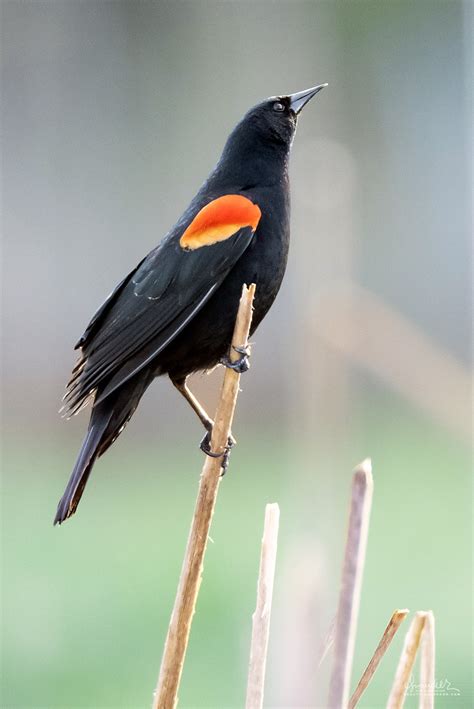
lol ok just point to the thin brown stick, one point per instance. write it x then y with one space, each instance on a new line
349 596
166 694
388 634
350 319
427 664
263 609
396 699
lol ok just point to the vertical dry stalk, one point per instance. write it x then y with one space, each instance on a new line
261 617
427 664
166 694
396 699
349 597
389 633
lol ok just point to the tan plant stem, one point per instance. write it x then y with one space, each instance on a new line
427 663
261 617
389 633
349 596
166 694
396 699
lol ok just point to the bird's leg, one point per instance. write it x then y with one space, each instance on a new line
206 421
240 365
183 389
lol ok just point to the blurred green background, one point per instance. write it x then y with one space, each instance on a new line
112 115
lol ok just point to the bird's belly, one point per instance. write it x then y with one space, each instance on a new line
207 338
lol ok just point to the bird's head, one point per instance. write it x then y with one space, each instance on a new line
264 135
275 118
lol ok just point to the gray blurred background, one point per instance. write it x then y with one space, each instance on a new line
113 113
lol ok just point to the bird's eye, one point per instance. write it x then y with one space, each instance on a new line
278 106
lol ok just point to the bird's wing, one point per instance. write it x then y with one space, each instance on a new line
156 301
100 314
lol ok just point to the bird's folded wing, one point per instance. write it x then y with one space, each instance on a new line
149 308
104 308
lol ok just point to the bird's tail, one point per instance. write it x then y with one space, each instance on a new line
89 451
108 419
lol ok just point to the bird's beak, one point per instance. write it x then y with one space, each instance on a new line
299 100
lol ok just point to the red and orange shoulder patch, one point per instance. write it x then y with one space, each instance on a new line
219 220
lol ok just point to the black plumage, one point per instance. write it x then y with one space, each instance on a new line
174 313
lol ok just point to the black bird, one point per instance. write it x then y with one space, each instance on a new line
174 313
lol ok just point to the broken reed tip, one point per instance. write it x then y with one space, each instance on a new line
272 506
362 478
364 467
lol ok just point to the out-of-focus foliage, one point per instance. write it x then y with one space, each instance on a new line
86 608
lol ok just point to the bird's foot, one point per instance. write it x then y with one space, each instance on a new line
205 446
240 365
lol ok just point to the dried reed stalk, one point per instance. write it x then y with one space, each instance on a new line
263 609
349 597
427 664
389 633
396 699
166 694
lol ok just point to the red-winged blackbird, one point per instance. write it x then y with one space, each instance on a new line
175 312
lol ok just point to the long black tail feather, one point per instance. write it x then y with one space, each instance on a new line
108 419
89 451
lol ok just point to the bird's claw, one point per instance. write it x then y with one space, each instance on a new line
205 446
240 365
